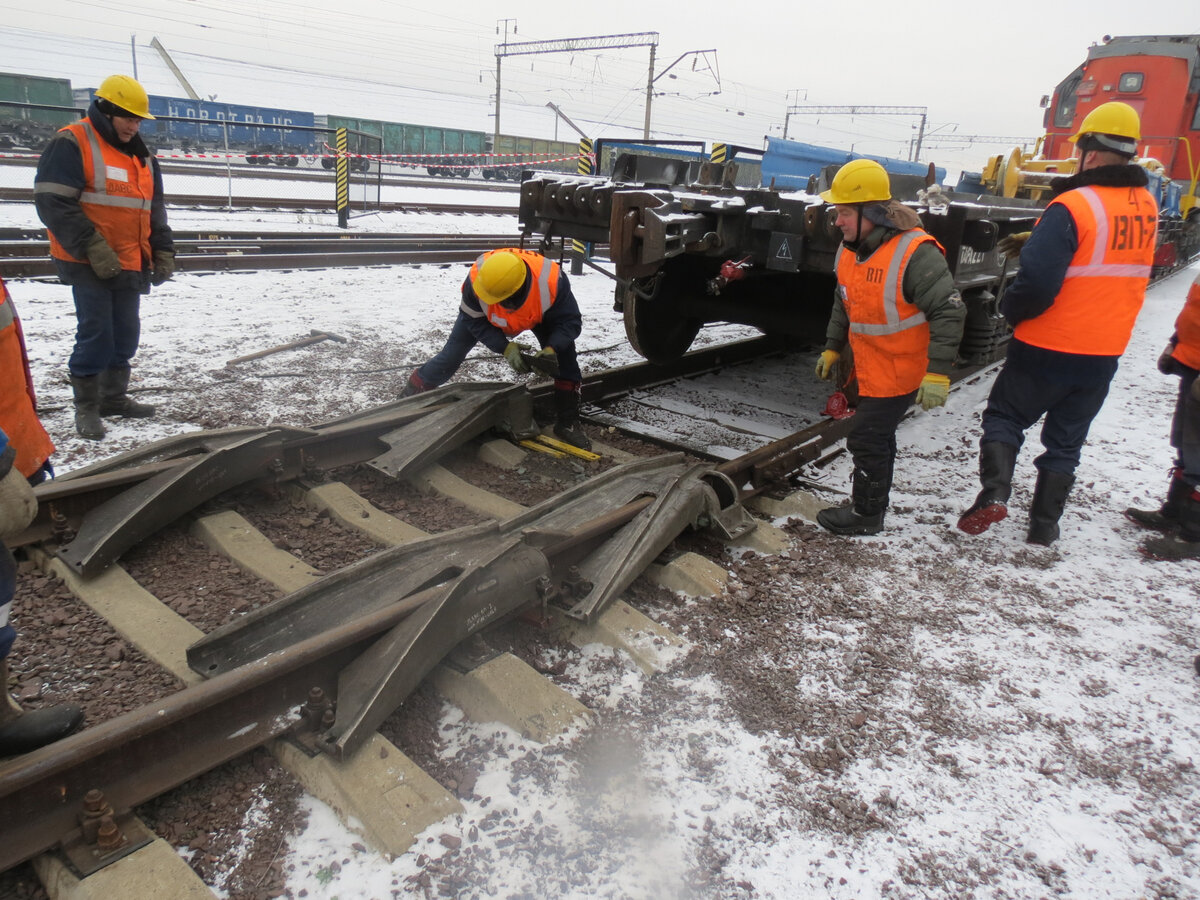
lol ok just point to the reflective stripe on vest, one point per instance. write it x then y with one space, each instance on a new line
890 356
1187 329
1105 284
17 417
542 293
122 216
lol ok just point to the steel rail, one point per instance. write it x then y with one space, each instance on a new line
137 756
324 204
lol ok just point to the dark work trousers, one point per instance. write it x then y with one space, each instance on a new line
872 438
1185 427
8 588
108 326
441 368
1019 398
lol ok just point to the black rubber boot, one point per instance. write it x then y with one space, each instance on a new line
864 513
996 464
1166 517
22 731
1185 544
1049 499
415 385
114 397
87 406
566 416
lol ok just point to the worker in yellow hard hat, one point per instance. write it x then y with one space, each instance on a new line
99 192
506 293
1072 305
897 308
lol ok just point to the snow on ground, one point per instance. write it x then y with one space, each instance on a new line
1034 732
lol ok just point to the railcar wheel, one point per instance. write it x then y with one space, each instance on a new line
656 325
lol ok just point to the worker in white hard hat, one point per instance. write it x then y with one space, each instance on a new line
99 192
506 293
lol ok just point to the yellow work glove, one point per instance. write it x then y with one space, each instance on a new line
546 362
18 506
102 257
512 355
164 266
933 390
825 363
1011 245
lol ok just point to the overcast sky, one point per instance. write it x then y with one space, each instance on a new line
979 70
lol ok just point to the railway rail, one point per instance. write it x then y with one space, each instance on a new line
575 552
314 204
25 253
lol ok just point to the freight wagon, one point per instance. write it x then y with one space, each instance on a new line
22 124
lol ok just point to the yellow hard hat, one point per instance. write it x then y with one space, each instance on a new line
859 181
500 276
125 92
1114 126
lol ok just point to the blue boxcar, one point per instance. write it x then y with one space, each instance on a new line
181 122
791 163
250 127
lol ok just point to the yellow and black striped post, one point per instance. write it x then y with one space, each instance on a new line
579 250
343 179
720 153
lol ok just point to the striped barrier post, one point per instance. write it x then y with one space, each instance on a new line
720 153
343 179
579 250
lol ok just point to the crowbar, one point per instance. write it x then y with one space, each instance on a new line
314 337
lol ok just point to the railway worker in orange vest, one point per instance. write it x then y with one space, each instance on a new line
99 192
508 292
897 307
1073 303
1179 516
25 450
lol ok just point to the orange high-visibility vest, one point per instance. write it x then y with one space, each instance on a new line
116 197
542 293
889 336
1187 329
17 401
1105 285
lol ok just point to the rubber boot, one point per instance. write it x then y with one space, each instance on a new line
415 385
87 406
1049 499
1184 544
566 415
864 513
22 731
996 463
114 397
1166 517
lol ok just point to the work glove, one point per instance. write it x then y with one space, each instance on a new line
1011 245
164 266
1166 361
102 257
933 390
18 506
546 362
825 363
512 355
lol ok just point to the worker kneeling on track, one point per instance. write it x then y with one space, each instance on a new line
897 307
508 292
